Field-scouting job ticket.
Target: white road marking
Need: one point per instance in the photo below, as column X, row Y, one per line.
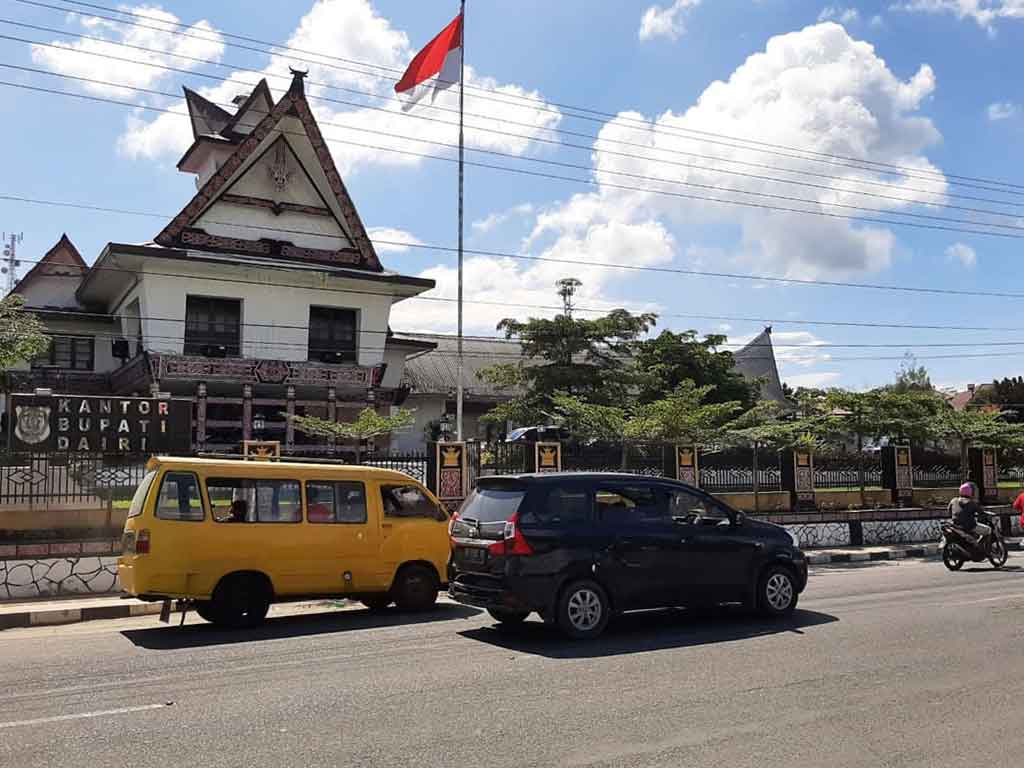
column 81, row 716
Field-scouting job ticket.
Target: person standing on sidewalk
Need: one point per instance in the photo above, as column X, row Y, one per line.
column 1018, row 506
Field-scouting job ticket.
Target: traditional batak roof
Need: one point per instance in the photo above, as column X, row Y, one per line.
column 262, row 140
column 756, row 361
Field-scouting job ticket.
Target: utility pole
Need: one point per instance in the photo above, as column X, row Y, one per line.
column 10, row 261
column 567, row 289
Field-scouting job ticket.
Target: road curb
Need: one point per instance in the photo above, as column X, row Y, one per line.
column 902, row 553
column 39, row 617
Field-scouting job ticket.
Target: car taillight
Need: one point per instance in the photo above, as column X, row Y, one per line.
column 142, row 543
column 513, row 542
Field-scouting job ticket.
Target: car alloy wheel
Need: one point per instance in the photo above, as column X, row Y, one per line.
column 779, row 591
column 585, row 609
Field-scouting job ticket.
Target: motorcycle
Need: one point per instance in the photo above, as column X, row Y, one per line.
column 959, row 547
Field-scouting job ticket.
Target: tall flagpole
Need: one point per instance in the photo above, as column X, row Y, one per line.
column 462, row 93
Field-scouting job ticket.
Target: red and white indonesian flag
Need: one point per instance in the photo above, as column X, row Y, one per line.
column 434, row 69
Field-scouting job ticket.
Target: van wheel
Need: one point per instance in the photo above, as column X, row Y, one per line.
column 241, row 601
column 377, row 603
column 415, row 588
column 583, row 610
column 507, row 617
column 776, row 592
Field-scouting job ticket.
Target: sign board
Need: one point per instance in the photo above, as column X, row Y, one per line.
column 450, row 462
column 548, row 457
column 98, row 424
column 261, row 450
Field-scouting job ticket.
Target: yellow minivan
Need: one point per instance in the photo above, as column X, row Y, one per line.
column 232, row 536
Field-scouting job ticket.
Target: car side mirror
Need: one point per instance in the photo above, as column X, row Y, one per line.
column 739, row 519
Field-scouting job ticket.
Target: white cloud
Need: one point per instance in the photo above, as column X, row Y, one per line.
column 494, row 220
column 819, row 380
column 816, row 89
column 391, row 240
column 507, row 280
column 1002, row 110
column 962, row 253
column 839, row 13
column 349, row 29
column 666, row 21
column 877, row 22
column 80, row 59
column 984, row 12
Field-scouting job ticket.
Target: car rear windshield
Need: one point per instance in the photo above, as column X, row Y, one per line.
column 492, row 505
column 139, row 499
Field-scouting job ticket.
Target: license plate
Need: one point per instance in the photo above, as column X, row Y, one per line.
column 474, row 555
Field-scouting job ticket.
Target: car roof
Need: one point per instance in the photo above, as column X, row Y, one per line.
column 277, row 467
column 554, row 477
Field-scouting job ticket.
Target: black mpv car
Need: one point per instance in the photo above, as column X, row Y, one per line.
column 578, row 547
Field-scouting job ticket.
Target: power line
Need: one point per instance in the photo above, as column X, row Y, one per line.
column 589, row 168
column 577, row 262
column 540, row 104
column 497, row 131
column 608, row 185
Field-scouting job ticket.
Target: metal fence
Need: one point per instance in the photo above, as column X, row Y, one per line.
column 51, row 479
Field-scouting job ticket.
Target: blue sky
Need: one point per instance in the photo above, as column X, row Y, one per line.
column 933, row 85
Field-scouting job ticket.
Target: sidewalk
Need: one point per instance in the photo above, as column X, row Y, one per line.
column 72, row 610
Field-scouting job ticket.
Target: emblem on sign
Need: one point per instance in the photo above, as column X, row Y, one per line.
column 33, row 424
column 451, row 457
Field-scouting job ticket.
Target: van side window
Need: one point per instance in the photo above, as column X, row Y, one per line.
column 626, row 504
column 342, row 502
column 179, row 498
column 409, row 501
column 139, row 499
column 241, row 500
column 694, row 508
column 563, row 506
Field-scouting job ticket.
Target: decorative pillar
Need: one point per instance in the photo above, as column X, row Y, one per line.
column 201, row 417
column 332, row 416
column 447, row 473
column 984, row 473
column 289, row 427
column 154, row 388
column 247, row 412
column 798, row 479
column 681, row 464
column 898, row 474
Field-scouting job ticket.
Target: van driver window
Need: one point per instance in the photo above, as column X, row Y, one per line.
column 238, row 500
column 408, row 501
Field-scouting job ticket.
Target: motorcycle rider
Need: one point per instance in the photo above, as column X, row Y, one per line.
column 964, row 511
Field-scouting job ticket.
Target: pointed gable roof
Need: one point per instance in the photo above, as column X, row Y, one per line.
column 62, row 261
column 207, row 118
column 183, row 232
column 756, row 361
column 258, row 104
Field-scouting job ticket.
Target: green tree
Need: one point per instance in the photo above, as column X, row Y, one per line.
column 685, row 416
column 911, row 377
column 367, row 425
column 590, row 359
column 1007, row 394
column 668, row 359
column 22, row 336
column 587, row 421
column 974, row 428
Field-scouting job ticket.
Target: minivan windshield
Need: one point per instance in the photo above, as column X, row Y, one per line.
column 139, row 499
column 492, row 505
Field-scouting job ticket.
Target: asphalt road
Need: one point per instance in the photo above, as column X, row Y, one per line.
column 885, row 664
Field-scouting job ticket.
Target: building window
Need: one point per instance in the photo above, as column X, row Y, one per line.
column 71, row 353
column 332, row 335
column 213, row 327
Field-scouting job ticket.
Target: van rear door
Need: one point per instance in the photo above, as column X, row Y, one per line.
column 481, row 522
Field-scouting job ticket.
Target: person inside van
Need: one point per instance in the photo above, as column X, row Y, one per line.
column 238, row 511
